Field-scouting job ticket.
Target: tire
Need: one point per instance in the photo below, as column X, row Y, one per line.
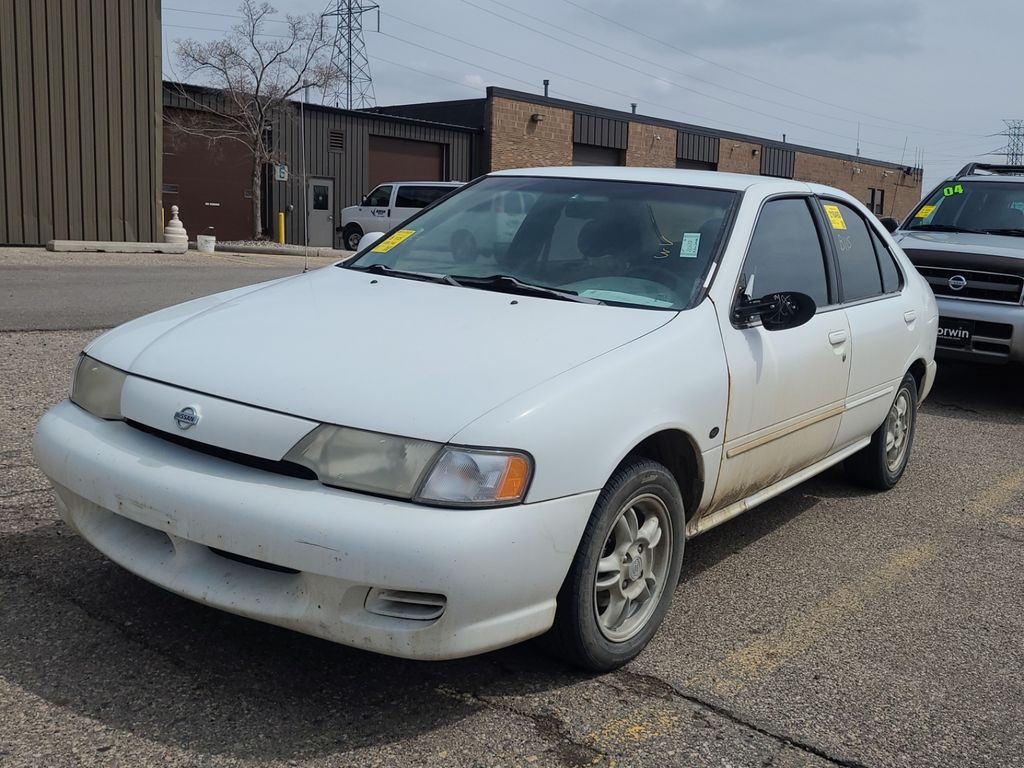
column 881, row 464
column 351, row 236
column 595, row 627
column 464, row 247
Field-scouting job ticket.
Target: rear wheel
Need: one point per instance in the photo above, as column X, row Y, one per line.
column 352, row 235
column 625, row 570
column 882, row 463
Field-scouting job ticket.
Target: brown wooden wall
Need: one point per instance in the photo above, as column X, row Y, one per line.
column 80, row 120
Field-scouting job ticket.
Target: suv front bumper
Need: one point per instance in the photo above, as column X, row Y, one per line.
column 998, row 331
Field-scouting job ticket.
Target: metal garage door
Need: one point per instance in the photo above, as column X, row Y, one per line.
column 405, row 160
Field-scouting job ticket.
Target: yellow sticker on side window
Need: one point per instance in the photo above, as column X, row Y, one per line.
column 835, row 216
column 386, row 245
column 925, row 212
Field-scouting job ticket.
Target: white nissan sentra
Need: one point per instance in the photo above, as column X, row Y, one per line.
column 431, row 457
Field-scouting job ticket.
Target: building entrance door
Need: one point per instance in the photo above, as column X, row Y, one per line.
column 321, row 212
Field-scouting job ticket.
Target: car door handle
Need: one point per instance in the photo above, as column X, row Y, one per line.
column 909, row 316
column 835, row 338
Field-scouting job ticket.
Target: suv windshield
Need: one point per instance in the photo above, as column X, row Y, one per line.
column 972, row 206
column 646, row 245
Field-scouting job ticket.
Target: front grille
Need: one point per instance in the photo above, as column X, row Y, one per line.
column 982, row 286
column 251, row 561
column 287, row 468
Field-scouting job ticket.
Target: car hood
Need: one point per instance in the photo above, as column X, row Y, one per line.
column 374, row 352
column 961, row 242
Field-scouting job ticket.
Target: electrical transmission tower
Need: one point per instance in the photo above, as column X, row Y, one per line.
column 355, row 86
column 1014, row 142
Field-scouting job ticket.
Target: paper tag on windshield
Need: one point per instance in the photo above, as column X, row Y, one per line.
column 925, row 212
column 386, row 245
column 689, row 245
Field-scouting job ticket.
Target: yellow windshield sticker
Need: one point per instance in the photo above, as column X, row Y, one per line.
column 386, row 245
column 925, row 212
column 835, row 217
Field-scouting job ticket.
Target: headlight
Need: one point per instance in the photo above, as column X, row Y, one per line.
column 470, row 477
column 364, row 461
column 399, row 466
column 96, row 387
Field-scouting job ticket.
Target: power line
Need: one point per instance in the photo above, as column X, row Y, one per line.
column 619, row 24
column 589, row 52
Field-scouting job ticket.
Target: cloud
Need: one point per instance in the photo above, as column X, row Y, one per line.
column 796, row 27
column 474, row 80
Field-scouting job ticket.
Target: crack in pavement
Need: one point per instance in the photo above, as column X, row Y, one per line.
column 728, row 714
column 28, row 491
column 549, row 726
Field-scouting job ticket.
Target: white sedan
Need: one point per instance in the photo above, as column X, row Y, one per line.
column 431, row 458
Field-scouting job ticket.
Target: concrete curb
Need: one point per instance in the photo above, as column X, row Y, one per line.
column 99, row 246
column 285, row 250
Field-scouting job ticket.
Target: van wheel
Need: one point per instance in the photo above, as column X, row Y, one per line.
column 881, row 464
column 352, row 235
column 464, row 247
column 625, row 570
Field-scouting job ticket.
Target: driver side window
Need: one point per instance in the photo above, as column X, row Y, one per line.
column 379, row 198
column 785, row 253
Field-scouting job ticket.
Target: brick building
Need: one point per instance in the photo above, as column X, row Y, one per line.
column 522, row 130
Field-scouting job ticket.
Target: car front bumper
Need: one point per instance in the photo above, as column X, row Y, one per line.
column 998, row 331
column 318, row 556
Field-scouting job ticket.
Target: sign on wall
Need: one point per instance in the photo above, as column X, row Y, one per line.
column 280, row 173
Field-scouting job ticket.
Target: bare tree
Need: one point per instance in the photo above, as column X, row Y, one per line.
column 256, row 71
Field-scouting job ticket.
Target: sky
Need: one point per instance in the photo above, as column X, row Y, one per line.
column 931, row 79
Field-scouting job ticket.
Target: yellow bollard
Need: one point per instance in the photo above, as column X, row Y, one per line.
column 280, row 227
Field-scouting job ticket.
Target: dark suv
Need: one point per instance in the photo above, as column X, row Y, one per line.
column 967, row 239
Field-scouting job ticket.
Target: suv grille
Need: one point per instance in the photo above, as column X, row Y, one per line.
column 983, row 286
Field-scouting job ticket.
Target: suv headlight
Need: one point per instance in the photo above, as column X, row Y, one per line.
column 413, row 469
column 96, row 388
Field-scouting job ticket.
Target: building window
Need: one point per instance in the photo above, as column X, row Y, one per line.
column 876, row 200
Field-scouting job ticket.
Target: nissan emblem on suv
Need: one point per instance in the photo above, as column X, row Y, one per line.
column 958, row 282
column 186, row 418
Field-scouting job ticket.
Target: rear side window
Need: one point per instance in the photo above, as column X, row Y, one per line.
column 859, row 276
column 886, row 264
column 785, row 253
column 419, row 197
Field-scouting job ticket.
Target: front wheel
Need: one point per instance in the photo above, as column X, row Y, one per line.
column 625, row 570
column 352, row 235
column 881, row 464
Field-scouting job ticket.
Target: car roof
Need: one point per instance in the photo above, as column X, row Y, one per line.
column 422, row 183
column 688, row 178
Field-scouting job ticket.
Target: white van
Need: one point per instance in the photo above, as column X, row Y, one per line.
column 388, row 206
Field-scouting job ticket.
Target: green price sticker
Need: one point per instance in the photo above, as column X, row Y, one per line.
column 955, row 189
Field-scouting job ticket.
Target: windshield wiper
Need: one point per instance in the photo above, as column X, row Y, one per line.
column 429, row 277
column 946, row 228
column 1012, row 231
column 509, row 284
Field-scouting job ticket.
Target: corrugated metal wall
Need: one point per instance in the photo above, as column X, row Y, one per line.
column 599, row 131
column 776, row 161
column 350, row 167
column 697, row 146
column 80, row 120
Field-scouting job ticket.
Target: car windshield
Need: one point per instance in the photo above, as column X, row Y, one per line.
column 644, row 245
column 991, row 207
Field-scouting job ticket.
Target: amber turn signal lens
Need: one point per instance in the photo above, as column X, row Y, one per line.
column 513, row 483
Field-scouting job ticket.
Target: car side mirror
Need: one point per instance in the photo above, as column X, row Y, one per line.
column 777, row 311
column 369, row 239
column 364, row 201
column 890, row 224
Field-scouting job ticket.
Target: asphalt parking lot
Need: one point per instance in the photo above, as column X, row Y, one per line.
column 828, row 627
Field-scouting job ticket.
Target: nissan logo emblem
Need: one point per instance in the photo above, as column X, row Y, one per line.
column 958, row 282
column 186, row 418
